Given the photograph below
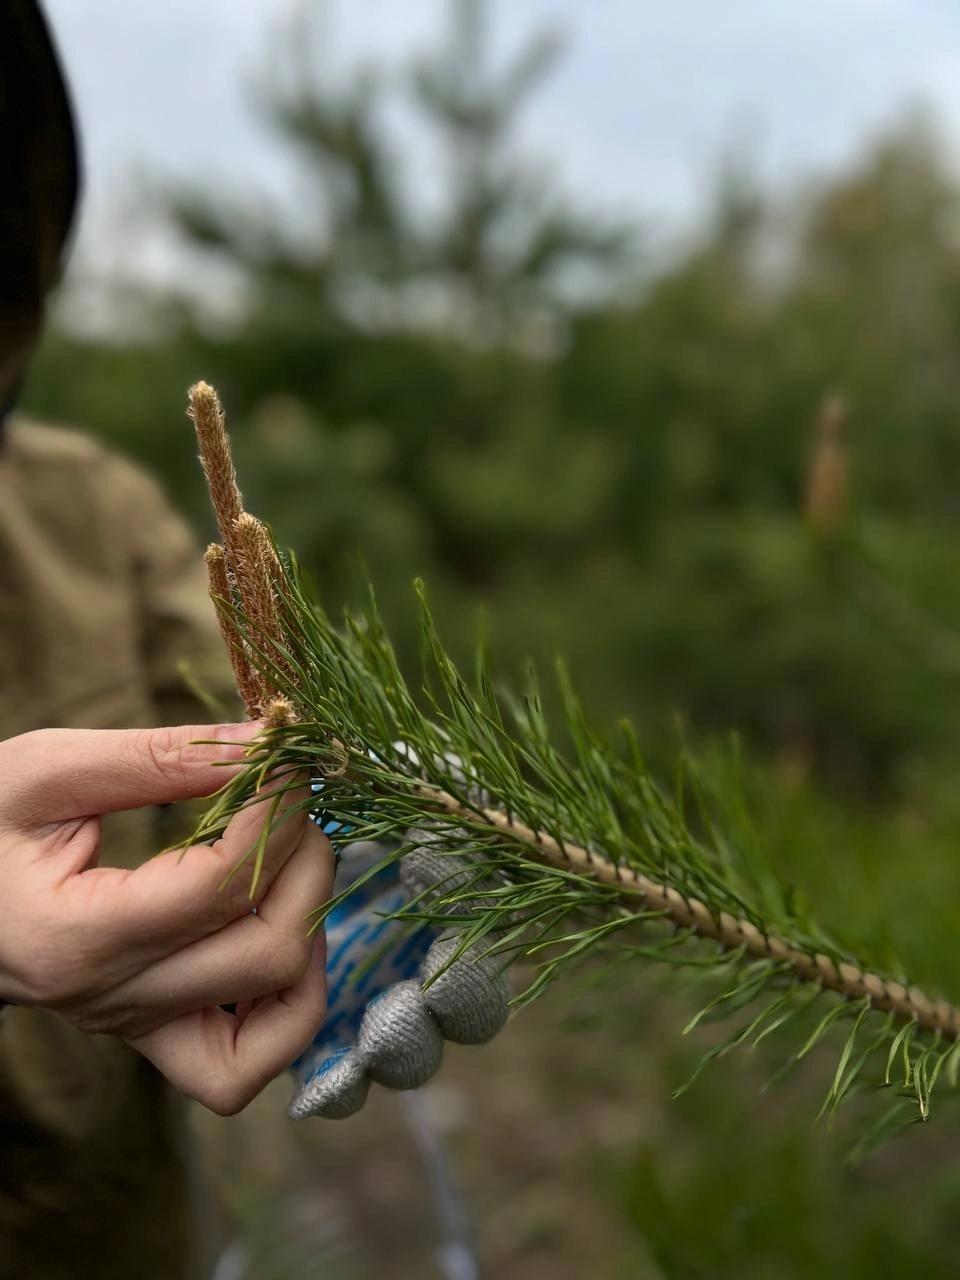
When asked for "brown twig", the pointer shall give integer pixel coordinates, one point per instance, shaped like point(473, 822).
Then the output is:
point(907, 1003)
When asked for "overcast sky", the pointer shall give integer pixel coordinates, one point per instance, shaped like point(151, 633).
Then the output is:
point(645, 98)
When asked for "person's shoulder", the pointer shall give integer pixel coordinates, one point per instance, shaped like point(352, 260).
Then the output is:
point(50, 440)
point(61, 469)
point(51, 449)
point(43, 444)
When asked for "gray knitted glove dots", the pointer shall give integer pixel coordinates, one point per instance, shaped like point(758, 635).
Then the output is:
point(395, 998)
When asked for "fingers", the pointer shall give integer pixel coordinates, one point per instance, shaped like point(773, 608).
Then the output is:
point(181, 896)
point(223, 1062)
point(304, 884)
point(252, 957)
point(54, 775)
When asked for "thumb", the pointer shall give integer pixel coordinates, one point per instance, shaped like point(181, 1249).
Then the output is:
point(53, 775)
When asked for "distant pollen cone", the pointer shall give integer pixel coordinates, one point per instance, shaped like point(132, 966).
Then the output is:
point(825, 501)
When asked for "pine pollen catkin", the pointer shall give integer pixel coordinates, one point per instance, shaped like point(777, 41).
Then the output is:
point(221, 593)
point(207, 415)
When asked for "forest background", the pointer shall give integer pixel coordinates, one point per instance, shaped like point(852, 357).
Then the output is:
point(723, 483)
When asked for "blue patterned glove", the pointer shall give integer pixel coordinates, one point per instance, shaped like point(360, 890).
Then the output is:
point(382, 1025)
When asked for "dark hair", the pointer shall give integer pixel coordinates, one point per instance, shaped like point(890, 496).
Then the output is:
point(39, 181)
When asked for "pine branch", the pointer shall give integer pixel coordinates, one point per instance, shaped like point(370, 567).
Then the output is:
point(552, 855)
point(735, 934)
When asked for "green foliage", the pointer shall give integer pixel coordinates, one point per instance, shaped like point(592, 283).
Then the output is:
point(791, 1208)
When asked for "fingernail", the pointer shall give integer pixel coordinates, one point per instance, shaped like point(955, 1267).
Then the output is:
point(235, 738)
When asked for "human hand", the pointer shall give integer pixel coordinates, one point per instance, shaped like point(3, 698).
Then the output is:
point(152, 954)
